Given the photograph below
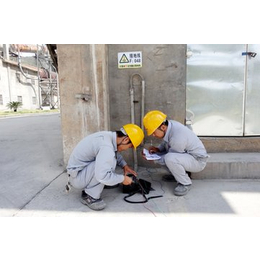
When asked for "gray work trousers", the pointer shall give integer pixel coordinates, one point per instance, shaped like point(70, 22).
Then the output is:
point(86, 180)
point(178, 164)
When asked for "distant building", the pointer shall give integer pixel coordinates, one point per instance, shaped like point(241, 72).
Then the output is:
point(27, 75)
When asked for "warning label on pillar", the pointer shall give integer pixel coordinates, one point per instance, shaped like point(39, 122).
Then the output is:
point(129, 60)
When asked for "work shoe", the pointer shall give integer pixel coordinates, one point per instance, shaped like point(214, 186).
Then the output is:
point(181, 189)
point(95, 204)
point(111, 187)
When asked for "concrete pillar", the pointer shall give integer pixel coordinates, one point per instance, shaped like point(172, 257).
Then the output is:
point(84, 95)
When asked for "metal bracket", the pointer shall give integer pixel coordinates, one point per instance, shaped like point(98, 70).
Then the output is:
point(84, 97)
point(251, 54)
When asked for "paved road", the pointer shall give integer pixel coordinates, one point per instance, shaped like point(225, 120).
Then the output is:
point(31, 157)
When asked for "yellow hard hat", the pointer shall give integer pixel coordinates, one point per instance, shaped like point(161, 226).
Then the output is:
point(135, 133)
point(152, 120)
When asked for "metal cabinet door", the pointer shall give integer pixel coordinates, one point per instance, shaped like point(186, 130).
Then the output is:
point(215, 90)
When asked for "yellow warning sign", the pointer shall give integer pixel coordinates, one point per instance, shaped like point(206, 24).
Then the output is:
point(124, 59)
point(128, 60)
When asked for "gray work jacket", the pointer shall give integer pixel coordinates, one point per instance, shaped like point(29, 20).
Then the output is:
point(100, 147)
point(180, 139)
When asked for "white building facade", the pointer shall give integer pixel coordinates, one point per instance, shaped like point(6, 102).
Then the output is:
point(26, 80)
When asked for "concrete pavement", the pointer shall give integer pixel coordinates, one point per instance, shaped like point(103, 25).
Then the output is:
point(33, 182)
point(206, 198)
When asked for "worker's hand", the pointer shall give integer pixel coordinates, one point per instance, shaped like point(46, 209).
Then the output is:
point(127, 170)
point(153, 149)
point(143, 155)
point(127, 180)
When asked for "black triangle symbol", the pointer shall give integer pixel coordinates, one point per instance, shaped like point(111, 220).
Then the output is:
point(124, 59)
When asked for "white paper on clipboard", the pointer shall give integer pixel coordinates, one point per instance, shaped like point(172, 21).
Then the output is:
point(150, 156)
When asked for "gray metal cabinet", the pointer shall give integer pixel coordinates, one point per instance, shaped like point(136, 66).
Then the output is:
point(223, 89)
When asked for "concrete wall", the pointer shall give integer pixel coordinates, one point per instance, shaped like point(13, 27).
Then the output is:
point(83, 92)
point(164, 72)
point(232, 144)
point(93, 70)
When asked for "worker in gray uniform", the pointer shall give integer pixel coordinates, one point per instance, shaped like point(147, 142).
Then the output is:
point(93, 161)
point(181, 150)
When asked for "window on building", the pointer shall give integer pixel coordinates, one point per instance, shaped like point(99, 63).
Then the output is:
point(18, 77)
point(20, 99)
point(1, 99)
point(34, 100)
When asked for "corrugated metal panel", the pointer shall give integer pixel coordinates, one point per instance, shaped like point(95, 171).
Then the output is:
point(215, 89)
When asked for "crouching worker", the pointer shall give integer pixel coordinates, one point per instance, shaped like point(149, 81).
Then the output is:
point(93, 161)
point(181, 150)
